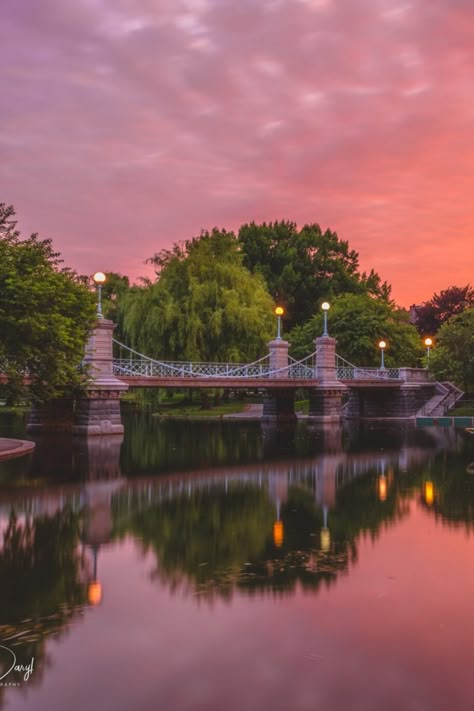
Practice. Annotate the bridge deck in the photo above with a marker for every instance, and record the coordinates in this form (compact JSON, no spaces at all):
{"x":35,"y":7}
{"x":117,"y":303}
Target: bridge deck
{"x":138,"y":381}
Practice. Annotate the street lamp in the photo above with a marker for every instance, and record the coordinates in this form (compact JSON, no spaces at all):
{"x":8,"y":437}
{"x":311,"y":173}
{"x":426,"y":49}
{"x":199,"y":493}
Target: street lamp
{"x":279,"y":311}
{"x":382,"y":346}
{"x":428,"y":344}
{"x":325,"y":307}
{"x":99,"y":279}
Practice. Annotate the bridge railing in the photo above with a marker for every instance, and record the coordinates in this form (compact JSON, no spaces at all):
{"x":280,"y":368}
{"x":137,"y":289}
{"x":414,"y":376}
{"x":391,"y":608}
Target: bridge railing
{"x":139,"y":365}
{"x":348,"y":371}
{"x":127,"y":367}
{"x":175,"y":369}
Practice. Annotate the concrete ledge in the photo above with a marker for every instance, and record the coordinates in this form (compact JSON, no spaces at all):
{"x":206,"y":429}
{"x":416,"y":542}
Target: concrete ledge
{"x":12,"y":448}
{"x":445,"y":421}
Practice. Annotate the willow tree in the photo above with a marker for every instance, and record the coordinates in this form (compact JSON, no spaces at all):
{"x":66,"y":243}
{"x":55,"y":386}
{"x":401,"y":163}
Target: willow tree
{"x":204,"y":305}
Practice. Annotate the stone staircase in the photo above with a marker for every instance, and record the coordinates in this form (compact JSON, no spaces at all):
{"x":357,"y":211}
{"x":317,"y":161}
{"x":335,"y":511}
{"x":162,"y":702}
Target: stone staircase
{"x":445,"y":397}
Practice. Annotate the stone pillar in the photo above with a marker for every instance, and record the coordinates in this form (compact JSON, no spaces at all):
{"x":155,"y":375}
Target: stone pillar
{"x":353,"y":409}
{"x":279,"y":406}
{"x":98,"y":410}
{"x":278,"y":349}
{"x":325,"y":400}
{"x":326,"y":359}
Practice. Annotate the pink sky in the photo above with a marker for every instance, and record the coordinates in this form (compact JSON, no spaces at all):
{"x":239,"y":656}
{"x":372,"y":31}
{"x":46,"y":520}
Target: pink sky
{"x":126,"y":125}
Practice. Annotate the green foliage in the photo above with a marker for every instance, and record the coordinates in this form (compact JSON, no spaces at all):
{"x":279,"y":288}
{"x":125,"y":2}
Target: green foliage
{"x":209,"y":536}
{"x":431,"y":315}
{"x":42,"y":591}
{"x":45,"y":315}
{"x":115,"y":288}
{"x":453,"y":356}
{"x":204,"y":306}
{"x":359,"y":322}
{"x":306,"y":266}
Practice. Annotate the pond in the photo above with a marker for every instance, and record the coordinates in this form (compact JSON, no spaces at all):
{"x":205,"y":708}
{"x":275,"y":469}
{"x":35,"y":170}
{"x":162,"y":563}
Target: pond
{"x":222,"y":565}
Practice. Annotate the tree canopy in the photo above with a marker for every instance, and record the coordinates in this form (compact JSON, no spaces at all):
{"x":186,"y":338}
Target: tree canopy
{"x":305,"y":266}
{"x":431,"y":315}
{"x":359,"y":322}
{"x":45,"y":314}
{"x":204,"y":305}
{"x":453,"y":355}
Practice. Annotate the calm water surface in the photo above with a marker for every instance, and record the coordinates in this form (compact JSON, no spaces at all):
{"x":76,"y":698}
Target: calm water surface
{"x":223,"y":566}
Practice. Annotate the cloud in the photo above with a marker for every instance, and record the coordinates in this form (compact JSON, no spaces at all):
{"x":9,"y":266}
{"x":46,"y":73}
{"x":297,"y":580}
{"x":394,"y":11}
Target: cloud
{"x":129,"y":124}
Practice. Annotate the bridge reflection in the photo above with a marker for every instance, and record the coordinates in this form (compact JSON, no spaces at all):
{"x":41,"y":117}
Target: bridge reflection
{"x":273,"y":521}
{"x":261,"y":527}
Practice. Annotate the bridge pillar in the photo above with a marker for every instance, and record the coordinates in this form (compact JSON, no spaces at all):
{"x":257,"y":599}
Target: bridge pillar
{"x":325,"y":400}
{"x":278,"y":350}
{"x":386,"y":403}
{"x":98,"y":410}
{"x":278,"y":404}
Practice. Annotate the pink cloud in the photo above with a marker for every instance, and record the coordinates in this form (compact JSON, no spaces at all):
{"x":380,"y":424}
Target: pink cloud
{"x":128,"y":125}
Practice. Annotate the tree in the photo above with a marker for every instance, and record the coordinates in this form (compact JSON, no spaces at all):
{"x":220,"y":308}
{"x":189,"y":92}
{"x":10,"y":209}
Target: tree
{"x":431,"y":315}
{"x":45,"y":315}
{"x":359,"y":322}
{"x":453,"y":357}
{"x":116,"y":286}
{"x":204,"y":305}
{"x":302,"y":267}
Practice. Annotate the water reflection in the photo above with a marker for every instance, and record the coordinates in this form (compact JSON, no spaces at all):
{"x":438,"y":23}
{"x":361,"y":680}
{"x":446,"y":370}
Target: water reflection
{"x":240,"y":513}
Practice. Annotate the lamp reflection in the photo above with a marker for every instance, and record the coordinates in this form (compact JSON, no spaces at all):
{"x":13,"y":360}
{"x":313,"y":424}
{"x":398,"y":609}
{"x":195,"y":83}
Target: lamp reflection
{"x":325,"y":539}
{"x":94,"y":592}
{"x":325,"y":536}
{"x":278,"y":533}
{"x":429,"y":493}
{"x":382,"y":487}
{"x":94,"y":587}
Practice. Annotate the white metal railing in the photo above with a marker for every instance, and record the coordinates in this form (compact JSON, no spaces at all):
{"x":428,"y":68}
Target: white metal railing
{"x":176,"y":369}
{"x":140,"y":365}
{"x":348,"y":371}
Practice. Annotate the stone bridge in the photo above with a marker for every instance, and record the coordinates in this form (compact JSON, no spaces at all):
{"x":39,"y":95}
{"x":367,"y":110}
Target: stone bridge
{"x":335,"y":388}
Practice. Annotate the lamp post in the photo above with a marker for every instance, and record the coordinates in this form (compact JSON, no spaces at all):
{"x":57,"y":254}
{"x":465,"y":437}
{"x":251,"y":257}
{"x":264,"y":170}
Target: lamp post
{"x":382,"y":346}
{"x":428,"y":344}
{"x":99,"y":279}
{"x":325,"y":307}
{"x":279,"y":311}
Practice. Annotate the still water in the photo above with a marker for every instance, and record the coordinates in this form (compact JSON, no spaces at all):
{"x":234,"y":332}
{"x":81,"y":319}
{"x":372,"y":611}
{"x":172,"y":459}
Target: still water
{"x":225,"y":566}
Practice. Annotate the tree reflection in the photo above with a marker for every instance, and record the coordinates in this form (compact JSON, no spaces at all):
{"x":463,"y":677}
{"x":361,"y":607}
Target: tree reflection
{"x":41,"y":590}
{"x":214,"y":542}
{"x":446,"y":488}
